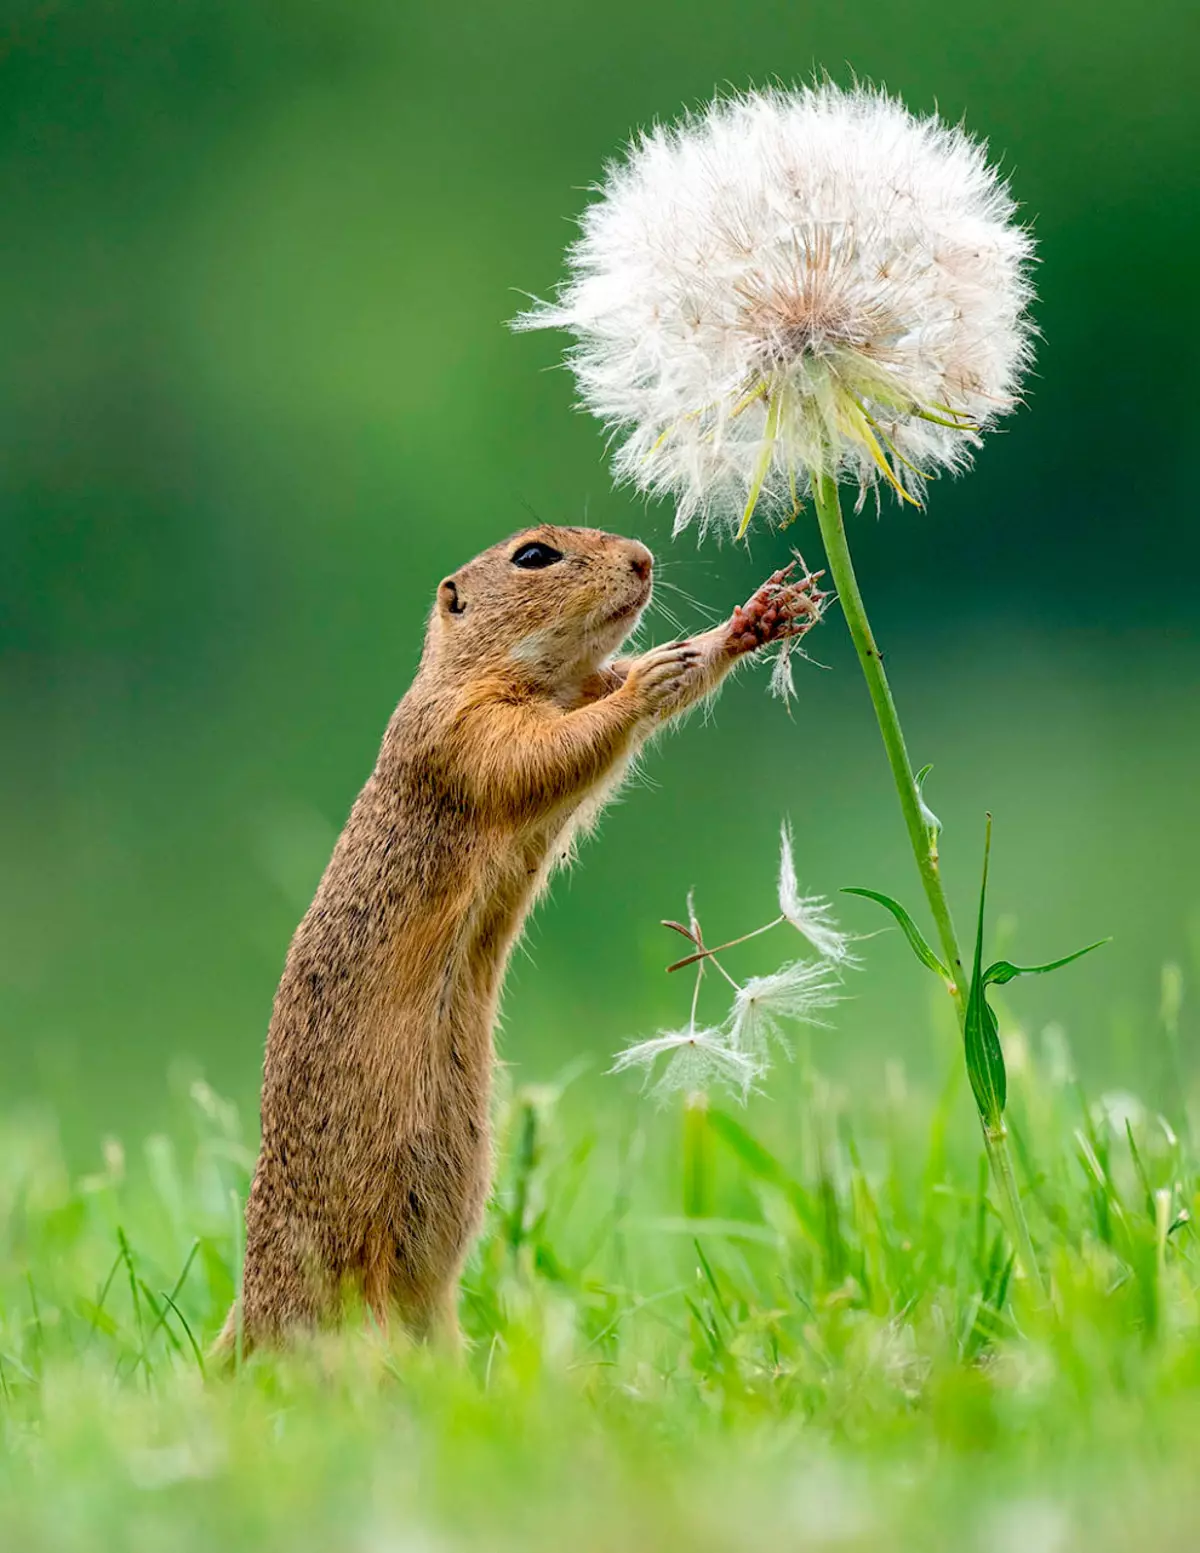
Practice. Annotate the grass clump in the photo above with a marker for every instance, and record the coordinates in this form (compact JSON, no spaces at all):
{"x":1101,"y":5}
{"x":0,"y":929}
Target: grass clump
{"x":797,"y":1326}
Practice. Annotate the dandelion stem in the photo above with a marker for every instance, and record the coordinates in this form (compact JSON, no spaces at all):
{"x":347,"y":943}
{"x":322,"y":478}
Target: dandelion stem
{"x":921,"y":838}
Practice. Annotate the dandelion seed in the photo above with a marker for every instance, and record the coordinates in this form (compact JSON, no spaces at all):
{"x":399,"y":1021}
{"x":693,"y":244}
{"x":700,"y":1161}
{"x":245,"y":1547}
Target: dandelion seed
{"x":811,"y":915}
{"x":794,"y":994}
{"x":793,"y":283}
{"x":783,"y":681}
{"x":696,"y":1060}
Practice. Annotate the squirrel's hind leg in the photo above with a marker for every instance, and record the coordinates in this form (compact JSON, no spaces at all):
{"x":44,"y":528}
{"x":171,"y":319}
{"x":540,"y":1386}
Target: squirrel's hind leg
{"x":426,"y":1308}
{"x":269,"y":1326}
{"x":379,"y":1278}
{"x":438,"y":1323}
{"x":431,"y":1315}
{"x":289,"y":1283}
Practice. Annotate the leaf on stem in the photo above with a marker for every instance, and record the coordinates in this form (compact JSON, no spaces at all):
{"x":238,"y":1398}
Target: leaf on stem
{"x":981,"y":1033}
{"x":1001,"y":971}
{"x":985,"y":1058}
{"x":908,"y":927}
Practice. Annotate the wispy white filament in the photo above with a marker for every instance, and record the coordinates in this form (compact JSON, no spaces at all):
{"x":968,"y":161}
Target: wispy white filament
{"x":788,"y":282}
{"x":811,"y":915}
{"x":765,"y":1005}
{"x":696,"y":1059}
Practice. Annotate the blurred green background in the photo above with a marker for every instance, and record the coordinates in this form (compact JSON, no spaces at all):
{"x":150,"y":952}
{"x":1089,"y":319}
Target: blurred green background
{"x":258,"y":396}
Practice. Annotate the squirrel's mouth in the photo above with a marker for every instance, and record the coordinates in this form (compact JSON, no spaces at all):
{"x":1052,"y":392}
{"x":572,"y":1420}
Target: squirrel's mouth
{"x":630,"y":610}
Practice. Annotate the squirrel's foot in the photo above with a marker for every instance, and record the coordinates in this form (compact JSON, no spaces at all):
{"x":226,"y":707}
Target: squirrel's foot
{"x":785,"y":606}
{"x":658,"y":676}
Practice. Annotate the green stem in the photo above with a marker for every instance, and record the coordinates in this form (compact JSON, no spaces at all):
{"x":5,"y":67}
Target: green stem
{"x":996,"y":1144}
{"x":841,"y":569}
{"x":921,"y":839}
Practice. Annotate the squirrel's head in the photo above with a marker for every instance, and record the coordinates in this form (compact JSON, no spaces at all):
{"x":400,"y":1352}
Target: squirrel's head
{"x":549,"y":602}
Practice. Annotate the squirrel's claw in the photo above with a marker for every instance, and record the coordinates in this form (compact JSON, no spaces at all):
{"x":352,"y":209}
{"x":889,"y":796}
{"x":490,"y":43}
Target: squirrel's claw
{"x":782,"y":607}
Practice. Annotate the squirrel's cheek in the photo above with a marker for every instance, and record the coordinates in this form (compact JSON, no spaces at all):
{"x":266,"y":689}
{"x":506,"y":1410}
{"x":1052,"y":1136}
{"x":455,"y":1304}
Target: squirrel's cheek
{"x":531,"y":648}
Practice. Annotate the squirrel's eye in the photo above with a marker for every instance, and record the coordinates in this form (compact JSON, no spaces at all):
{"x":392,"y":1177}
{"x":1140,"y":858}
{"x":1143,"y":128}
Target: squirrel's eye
{"x":532,"y":558}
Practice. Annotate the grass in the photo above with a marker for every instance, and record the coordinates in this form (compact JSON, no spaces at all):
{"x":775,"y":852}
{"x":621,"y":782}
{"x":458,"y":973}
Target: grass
{"x":794,"y":1326}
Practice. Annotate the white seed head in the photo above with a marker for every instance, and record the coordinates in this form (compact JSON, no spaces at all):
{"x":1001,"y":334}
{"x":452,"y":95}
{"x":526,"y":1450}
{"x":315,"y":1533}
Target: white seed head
{"x":696,"y":1060}
{"x":791,"y":282}
{"x":811,"y":915}
{"x":764,"y":1005}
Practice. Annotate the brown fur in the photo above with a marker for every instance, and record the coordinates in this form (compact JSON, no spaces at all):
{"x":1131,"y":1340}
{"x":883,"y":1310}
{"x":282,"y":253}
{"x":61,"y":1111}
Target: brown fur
{"x":376,"y":1159}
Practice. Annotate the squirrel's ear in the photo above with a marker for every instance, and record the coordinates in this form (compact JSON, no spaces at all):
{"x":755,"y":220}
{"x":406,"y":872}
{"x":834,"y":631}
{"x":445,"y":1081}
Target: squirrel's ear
{"x":448,"y":598}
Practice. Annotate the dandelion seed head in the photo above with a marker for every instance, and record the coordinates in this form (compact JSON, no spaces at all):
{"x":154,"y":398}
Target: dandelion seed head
{"x":695,"y":1059}
{"x":792,"y":282}
{"x":811,"y":915}
{"x":763,"y":1006}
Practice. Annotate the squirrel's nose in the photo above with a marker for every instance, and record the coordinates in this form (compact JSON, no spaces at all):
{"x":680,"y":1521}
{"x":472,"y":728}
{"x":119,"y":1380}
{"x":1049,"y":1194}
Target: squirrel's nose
{"x":641,"y":560}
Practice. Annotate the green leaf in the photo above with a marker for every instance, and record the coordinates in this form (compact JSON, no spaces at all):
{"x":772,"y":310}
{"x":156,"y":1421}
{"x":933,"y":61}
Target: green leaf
{"x":1004,"y":970}
{"x":909,"y":928}
{"x":985,"y":1058}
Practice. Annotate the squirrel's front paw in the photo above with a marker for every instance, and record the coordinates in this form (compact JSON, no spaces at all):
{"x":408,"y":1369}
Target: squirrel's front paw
{"x":658,"y":676}
{"x":784,"y":606}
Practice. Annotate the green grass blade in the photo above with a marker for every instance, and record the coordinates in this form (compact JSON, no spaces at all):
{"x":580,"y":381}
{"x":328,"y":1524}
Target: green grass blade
{"x":761,"y":1163}
{"x":197,"y":1353}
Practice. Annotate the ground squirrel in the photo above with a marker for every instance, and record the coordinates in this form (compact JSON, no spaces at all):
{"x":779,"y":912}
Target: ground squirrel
{"x":376,"y":1158}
